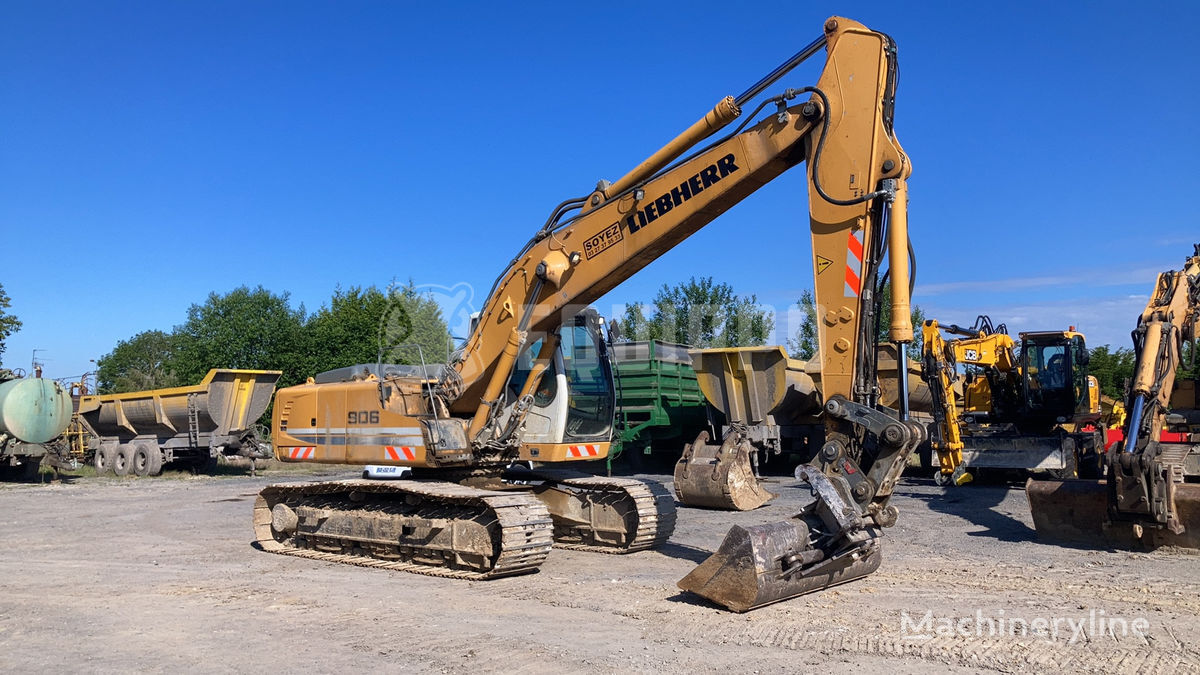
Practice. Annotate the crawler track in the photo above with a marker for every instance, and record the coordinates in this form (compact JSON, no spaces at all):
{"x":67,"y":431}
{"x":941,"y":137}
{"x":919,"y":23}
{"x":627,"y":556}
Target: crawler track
{"x":520,"y":526}
{"x":652,"y":504}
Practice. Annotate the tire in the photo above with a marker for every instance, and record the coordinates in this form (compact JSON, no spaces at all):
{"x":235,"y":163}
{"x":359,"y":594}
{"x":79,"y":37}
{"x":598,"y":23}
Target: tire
{"x":205,"y":465}
{"x":102,"y":459}
{"x":1070,"y":471}
{"x":30,"y":470}
{"x":147,"y":459}
{"x":122,"y":461}
{"x":1091,"y":465}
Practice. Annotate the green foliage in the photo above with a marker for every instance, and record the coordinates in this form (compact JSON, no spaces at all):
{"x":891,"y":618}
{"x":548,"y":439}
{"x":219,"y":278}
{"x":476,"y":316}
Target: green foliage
{"x":700,"y":313}
{"x":411,"y":320}
{"x":804,"y":345}
{"x":242,"y":329}
{"x":345,"y":333}
{"x":1189,"y":367}
{"x":257,"y":329}
{"x":142,"y":362}
{"x":9,"y":324}
{"x":1111,"y":368}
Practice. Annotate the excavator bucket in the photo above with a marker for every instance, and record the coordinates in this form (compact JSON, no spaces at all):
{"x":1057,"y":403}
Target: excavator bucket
{"x":1076,"y":512}
{"x":749,"y":570}
{"x":719,"y":476}
{"x":827,"y":543}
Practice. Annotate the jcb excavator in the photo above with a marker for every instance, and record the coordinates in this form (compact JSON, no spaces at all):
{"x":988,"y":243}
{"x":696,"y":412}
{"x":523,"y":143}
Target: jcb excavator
{"x":477,"y":515}
{"x":1038,"y":411}
{"x":1144,"y":501}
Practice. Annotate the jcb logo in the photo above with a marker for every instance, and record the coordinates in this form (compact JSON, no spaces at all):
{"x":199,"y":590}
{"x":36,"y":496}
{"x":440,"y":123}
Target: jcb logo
{"x":362,"y":417}
{"x":971,"y":355}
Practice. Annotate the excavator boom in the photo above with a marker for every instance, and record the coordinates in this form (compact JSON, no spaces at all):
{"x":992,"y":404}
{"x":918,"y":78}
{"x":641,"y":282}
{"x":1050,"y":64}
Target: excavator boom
{"x":836,"y":538}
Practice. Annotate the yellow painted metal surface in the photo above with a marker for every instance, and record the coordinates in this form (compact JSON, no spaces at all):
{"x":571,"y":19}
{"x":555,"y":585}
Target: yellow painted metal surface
{"x":344,"y":423}
{"x":226,"y":399}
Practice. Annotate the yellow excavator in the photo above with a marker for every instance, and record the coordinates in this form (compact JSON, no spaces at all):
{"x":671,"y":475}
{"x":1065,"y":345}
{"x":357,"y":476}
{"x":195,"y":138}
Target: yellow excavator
{"x":471,"y":429}
{"x":1144,"y":502}
{"x":1038,"y":411}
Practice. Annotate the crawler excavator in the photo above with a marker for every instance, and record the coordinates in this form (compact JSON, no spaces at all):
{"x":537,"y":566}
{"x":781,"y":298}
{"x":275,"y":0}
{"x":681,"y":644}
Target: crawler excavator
{"x":471,"y":512}
{"x":1144,"y":501}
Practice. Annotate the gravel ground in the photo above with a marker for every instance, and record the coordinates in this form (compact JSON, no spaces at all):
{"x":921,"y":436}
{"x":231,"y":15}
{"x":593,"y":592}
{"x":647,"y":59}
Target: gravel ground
{"x":112,"y":575}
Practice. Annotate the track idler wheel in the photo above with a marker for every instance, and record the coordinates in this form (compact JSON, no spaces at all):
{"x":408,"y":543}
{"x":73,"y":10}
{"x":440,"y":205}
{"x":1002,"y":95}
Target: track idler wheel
{"x":719,"y":476}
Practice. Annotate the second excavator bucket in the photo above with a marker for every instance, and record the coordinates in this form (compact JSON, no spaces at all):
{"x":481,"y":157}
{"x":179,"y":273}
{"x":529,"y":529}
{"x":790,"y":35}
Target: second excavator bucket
{"x":1076,"y":512}
{"x":719,"y":476}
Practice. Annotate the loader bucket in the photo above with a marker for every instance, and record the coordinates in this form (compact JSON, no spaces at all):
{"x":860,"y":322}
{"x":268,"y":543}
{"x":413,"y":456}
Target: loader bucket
{"x":746,"y":572}
{"x":1076,"y":512}
{"x":719,"y":476}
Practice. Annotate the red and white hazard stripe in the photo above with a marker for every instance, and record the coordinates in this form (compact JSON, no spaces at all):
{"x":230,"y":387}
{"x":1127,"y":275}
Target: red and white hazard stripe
{"x":583,"y":451}
{"x":854,"y":258}
{"x":302,"y":453}
{"x":397,"y":453}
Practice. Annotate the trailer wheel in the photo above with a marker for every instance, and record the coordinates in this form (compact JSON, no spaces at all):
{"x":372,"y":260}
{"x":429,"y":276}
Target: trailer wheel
{"x":146,"y":460}
{"x":102,"y":459}
{"x":122,"y":461}
{"x":30,"y":469}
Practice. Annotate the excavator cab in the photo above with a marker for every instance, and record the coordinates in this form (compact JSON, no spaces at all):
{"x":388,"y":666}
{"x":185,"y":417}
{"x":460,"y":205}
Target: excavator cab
{"x":1055,"y":378}
{"x":574,"y":403}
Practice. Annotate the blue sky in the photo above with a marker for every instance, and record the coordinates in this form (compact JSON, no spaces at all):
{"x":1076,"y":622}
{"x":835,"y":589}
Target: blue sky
{"x":153,"y":152}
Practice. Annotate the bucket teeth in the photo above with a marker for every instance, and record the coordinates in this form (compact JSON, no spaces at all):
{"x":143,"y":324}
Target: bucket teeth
{"x":719,"y":476}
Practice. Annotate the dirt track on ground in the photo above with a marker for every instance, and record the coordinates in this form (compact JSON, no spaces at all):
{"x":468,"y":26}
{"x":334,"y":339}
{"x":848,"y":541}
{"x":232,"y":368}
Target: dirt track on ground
{"x":107,"y":575}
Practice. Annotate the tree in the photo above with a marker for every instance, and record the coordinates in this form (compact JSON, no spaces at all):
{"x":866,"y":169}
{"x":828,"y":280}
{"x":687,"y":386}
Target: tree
{"x":700,"y":313}
{"x":1111,"y":369}
{"x":1189,"y":367}
{"x":346,"y":332}
{"x":242,"y":329}
{"x":9,"y":324}
{"x":360,"y":325}
{"x":804,"y":345}
{"x":413,"y":319}
{"x":144,"y":361}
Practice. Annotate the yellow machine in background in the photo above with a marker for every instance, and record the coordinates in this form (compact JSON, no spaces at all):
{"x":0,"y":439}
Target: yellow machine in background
{"x":1145,"y":501}
{"x":1038,"y":411}
{"x":463,"y":427}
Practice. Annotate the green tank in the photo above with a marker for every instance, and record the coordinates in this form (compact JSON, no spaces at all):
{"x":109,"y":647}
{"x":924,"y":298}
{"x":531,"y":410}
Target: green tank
{"x":33,"y":410}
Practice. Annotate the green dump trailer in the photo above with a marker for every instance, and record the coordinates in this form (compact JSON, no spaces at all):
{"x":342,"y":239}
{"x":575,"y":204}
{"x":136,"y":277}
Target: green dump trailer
{"x":659,"y":404}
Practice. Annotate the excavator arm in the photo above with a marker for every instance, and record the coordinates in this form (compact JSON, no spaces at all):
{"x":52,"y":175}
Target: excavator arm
{"x":979,"y":345}
{"x":1142,"y":476}
{"x":1144,"y":501}
{"x":857,"y":200}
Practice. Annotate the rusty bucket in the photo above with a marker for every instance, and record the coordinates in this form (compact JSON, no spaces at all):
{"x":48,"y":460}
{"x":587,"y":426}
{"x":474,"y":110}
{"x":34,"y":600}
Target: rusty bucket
{"x":719,"y":476}
{"x":1076,"y":512}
